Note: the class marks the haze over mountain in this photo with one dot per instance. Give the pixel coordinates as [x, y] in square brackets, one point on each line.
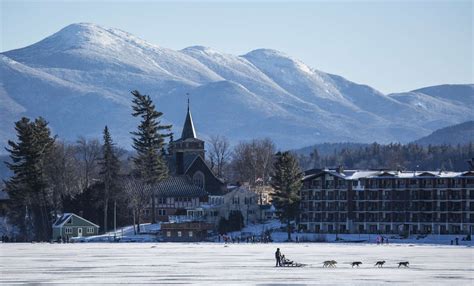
[80, 80]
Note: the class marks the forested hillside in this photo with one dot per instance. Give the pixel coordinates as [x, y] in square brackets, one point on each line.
[394, 156]
[456, 134]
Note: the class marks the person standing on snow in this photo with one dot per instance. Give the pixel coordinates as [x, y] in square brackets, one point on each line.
[278, 257]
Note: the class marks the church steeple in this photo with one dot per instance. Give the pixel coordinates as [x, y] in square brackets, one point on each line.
[186, 148]
[188, 128]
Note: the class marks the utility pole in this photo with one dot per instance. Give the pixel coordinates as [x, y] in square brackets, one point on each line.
[115, 219]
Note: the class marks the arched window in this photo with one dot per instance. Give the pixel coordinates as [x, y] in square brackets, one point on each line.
[198, 179]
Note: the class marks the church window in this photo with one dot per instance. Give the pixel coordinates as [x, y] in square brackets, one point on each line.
[198, 179]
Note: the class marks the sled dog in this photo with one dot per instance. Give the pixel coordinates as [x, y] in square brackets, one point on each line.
[329, 263]
[380, 263]
[403, 263]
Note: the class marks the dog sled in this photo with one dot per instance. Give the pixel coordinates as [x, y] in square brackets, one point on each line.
[290, 263]
[293, 264]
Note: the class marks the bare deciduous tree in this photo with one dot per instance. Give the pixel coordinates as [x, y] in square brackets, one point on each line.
[138, 194]
[219, 154]
[252, 161]
[62, 174]
[87, 156]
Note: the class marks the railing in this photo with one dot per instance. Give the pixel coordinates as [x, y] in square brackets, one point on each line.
[185, 218]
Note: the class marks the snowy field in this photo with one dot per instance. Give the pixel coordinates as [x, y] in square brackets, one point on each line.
[219, 264]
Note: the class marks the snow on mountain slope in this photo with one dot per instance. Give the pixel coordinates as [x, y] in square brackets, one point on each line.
[91, 47]
[294, 76]
[72, 109]
[438, 106]
[330, 93]
[226, 107]
[80, 79]
[455, 93]
[230, 67]
[239, 70]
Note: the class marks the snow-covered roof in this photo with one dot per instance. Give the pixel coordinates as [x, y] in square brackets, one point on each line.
[62, 219]
[366, 174]
[66, 216]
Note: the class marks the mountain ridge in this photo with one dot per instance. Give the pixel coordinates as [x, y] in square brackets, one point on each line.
[462, 133]
[272, 94]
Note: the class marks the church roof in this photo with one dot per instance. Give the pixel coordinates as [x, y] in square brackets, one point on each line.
[179, 186]
[188, 159]
[188, 128]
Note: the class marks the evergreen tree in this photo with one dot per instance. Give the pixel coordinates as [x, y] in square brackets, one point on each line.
[110, 167]
[28, 188]
[235, 221]
[286, 181]
[149, 141]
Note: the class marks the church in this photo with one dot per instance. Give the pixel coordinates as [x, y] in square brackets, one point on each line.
[190, 181]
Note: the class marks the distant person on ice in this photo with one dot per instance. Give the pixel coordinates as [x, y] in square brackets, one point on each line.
[278, 257]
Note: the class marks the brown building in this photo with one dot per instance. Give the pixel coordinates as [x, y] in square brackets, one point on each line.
[185, 231]
[353, 201]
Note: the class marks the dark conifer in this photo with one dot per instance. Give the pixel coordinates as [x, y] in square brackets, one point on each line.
[110, 167]
[148, 141]
[28, 188]
[286, 180]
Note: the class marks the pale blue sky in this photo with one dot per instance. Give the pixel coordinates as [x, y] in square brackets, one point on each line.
[392, 46]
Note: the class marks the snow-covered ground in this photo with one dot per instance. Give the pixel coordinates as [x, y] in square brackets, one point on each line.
[279, 235]
[149, 234]
[219, 264]
[125, 234]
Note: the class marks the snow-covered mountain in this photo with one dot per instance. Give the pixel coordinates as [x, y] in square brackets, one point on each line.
[80, 79]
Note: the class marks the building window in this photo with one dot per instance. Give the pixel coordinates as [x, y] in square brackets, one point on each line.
[179, 233]
[168, 234]
[68, 230]
[161, 212]
[90, 230]
[198, 179]
[191, 234]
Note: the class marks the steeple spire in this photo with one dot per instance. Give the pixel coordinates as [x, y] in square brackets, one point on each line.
[188, 128]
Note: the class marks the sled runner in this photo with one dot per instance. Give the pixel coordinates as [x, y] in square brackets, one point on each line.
[289, 263]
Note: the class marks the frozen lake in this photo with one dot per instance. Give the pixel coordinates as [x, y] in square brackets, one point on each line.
[217, 264]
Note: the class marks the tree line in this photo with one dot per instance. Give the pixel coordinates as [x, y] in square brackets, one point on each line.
[394, 156]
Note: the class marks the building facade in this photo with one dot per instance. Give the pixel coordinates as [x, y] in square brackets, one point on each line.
[238, 199]
[174, 196]
[71, 225]
[192, 231]
[190, 180]
[353, 201]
